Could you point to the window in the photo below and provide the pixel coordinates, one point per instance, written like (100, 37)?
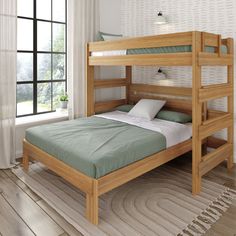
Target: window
(41, 55)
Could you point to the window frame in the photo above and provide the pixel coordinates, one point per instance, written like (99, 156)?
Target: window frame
(35, 53)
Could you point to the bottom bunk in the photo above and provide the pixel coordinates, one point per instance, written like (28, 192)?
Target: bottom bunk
(99, 153)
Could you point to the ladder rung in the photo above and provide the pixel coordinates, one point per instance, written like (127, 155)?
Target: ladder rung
(211, 160)
(213, 125)
(215, 91)
(213, 59)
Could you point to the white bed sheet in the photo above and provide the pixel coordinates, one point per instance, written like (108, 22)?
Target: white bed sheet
(174, 132)
(109, 53)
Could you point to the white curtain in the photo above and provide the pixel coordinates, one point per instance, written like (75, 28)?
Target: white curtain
(8, 23)
(83, 25)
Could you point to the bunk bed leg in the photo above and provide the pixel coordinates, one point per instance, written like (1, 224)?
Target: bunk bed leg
(196, 183)
(230, 80)
(92, 204)
(196, 113)
(25, 160)
(230, 162)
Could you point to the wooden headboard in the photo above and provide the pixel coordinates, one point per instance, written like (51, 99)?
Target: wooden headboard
(178, 98)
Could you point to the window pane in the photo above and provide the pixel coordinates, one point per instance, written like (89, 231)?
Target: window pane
(58, 38)
(24, 99)
(24, 34)
(44, 36)
(25, 8)
(59, 10)
(44, 97)
(24, 66)
(58, 90)
(44, 9)
(44, 66)
(58, 67)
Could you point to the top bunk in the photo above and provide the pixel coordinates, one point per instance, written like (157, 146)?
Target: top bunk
(178, 49)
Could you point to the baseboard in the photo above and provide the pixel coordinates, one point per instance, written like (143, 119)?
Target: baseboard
(19, 154)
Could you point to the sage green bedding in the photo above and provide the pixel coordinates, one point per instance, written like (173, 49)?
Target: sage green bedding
(94, 145)
(171, 49)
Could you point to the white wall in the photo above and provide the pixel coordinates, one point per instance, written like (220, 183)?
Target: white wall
(136, 18)
(110, 22)
(110, 17)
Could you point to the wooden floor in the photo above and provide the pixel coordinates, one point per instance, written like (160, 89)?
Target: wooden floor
(22, 212)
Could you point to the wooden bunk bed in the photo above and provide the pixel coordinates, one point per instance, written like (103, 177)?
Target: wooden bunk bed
(193, 100)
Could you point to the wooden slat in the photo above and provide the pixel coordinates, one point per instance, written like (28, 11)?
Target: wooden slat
(164, 90)
(90, 86)
(138, 168)
(76, 178)
(110, 83)
(219, 46)
(128, 74)
(176, 39)
(215, 125)
(213, 59)
(174, 104)
(108, 105)
(211, 160)
(210, 92)
(214, 113)
(167, 59)
(213, 120)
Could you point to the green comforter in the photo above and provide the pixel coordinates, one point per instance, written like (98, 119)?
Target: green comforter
(96, 146)
(171, 49)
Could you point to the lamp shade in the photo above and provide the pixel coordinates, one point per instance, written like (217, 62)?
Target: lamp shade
(160, 20)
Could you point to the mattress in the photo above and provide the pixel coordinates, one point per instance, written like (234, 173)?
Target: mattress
(160, 50)
(101, 144)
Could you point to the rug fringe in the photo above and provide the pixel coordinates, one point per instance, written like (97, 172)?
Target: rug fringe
(208, 217)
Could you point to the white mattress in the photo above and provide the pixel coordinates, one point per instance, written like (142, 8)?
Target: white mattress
(174, 132)
(109, 53)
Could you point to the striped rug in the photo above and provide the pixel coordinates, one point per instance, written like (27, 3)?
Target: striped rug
(157, 203)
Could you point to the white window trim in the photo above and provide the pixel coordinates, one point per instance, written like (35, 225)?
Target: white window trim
(59, 115)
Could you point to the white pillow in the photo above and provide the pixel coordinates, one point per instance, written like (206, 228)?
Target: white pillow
(147, 108)
(111, 37)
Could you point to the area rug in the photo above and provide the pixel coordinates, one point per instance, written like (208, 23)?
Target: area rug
(157, 203)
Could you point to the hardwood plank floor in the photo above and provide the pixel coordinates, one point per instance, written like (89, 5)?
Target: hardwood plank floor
(30, 215)
(27, 212)
(10, 222)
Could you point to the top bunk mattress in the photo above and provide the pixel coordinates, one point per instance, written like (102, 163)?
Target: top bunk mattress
(100, 144)
(159, 50)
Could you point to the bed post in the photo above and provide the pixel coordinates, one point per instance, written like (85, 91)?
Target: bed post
(25, 161)
(230, 102)
(128, 75)
(92, 204)
(196, 113)
(90, 85)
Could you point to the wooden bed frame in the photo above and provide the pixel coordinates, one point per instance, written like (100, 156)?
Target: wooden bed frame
(190, 100)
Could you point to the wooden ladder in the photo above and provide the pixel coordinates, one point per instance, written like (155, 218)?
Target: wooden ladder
(205, 125)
